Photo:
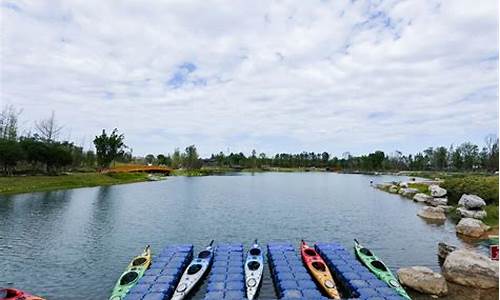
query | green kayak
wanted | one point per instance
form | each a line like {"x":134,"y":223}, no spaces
{"x":377,"y":267}
{"x":131,"y":276}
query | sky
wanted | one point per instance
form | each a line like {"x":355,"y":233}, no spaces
{"x":275,"y":76}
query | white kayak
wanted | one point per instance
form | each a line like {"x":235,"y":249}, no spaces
{"x":194,"y":272}
{"x":254,"y":266}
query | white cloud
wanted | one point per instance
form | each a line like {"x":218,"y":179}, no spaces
{"x":275,"y":76}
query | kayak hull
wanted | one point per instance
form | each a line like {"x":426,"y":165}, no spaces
{"x":319,"y":271}
{"x":254,"y":267}
{"x":377,"y":267}
{"x":129,"y":278}
{"x":15,"y":294}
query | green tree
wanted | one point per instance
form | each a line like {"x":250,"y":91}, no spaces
{"x":440,"y":158}
{"x":10,"y":153}
{"x":150,"y":159}
{"x":109,"y":148}
{"x":191,"y":159}
{"x":176,"y":159}
{"x":9,"y":122}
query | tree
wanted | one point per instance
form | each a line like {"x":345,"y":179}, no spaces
{"x":440,"y":158}
{"x":10,"y":153}
{"x":150,"y":158}
{"x":109,"y":148}
{"x":8,"y":122}
{"x":48,"y":129}
{"x":176,"y":159}
{"x":191,"y":159}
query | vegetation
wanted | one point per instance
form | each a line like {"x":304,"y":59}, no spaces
{"x":422,"y":188}
{"x":109,"y":148}
{"x":485,"y":187}
{"x":28,"y":184}
{"x":492,"y":215}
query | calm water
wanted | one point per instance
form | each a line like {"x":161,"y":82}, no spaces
{"x":74,"y":244}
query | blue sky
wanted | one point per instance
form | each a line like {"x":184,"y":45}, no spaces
{"x":275,"y":76}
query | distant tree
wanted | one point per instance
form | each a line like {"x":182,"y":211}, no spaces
{"x":48,"y":129}
{"x":325,"y":157}
{"x":254,"y":158}
{"x":440,"y":158}
{"x":470,"y":154}
{"x":9,"y":122}
{"x":109,"y":148}
{"x":456,"y":159}
{"x":191,"y":159}
{"x":10,"y":153}
{"x":150,"y":158}
{"x":90,"y":159}
{"x":176,"y":159}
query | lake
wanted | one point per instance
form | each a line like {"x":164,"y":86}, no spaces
{"x":74,"y":244}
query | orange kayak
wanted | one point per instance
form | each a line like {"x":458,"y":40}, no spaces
{"x":15,"y":294}
{"x":319,"y":271}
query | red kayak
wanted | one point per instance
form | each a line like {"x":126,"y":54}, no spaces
{"x":319,"y":271}
{"x":15,"y":294}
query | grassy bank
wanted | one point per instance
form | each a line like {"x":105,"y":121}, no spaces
{"x":29,"y":184}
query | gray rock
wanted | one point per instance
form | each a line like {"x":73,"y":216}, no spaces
{"x":421,"y":197}
{"x":471,"y":227}
{"x":393,"y":189}
{"x":471,"y":201}
{"x":407,"y":192}
{"x":471,"y":269}
{"x":432,"y":213}
{"x":437,"y":191}
{"x":383,"y":186}
{"x":437,"y":201}
{"x":403,"y":184}
{"x":444,"y":250}
{"x":424,"y":280}
{"x":467,"y":213}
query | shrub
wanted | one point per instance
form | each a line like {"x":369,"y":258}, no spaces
{"x":485,"y":187}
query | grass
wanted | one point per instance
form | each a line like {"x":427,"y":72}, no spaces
{"x":485,"y":187}
{"x":492,"y":215}
{"x":422,"y":188}
{"x":29,"y":184}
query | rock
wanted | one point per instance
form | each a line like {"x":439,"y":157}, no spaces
{"x":407,"y":192}
{"x":471,"y":201}
{"x":471,"y":269}
{"x":393,"y":189}
{"x":383,"y":186}
{"x":432,"y":213}
{"x":444,"y":250}
{"x":475,"y":214}
{"x":421,"y":197}
{"x":403,"y":184}
{"x":471,"y":227}
{"x":437,"y":191}
{"x":437,"y":201}
{"x":424,"y":280}
{"x":446,"y":208}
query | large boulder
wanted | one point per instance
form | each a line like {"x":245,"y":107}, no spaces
{"x":403,"y":184}
{"x":467,"y":213}
{"x":471,"y":227}
{"x":471,"y":269}
{"x":424,"y":280}
{"x":407,"y":192}
{"x":393,"y":189}
{"x":471,"y":201}
{"x":421,"y":197}
{"x":446,"y":208}
{"x":432,"y":213}
{"x":437,"y":191}
{"x":437,"y":201}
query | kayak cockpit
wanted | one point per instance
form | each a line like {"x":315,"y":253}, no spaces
{"x":139,"y":261}
{"x":310,"y":252}
{"x":319,"y":266}
{"x":366,"y":251}
{"x":255,"y":251}
{"x":128,"y":278}
{"x":9,"y":293}
{"x":253,"y":265}
{"x":193,"y":269}
{"x":379,"y":265}
{"x":204,"y":254}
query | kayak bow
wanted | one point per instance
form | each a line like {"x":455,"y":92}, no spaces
{"x":319,"y":270}
{"x":15,"y":294}
{"x":131,"y":276}
{"x":377,"y":267}
{"x":194,"y":272}
{"x":254,"y":266}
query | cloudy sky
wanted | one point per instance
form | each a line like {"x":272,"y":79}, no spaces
{"x":277,"y":76}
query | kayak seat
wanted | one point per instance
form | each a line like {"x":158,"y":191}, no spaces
{"x":255,"y":251}
{"x":128,"y":278}
{"x":139,"y":261}
{"x":193,"y":269}
{"x":204,"y":254}
{"x":253,"y":265}
{"x":379,"y":265}
{"x":366,"y":251}
{"x":310,"y":252}
{"x":319,"y":266}
{"x":8,"y":294}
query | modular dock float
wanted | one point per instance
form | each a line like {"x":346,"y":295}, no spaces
{"x":160,"y":280}
{"x":290,"y":278}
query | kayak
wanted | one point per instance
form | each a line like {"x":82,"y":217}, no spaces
{"x":131,"y":276}
{"x":377,"y":267}
{"x":319,"y":271}
{"x":254,"y":266}
{"x":15,"y":294}
{"x":194,"y":272}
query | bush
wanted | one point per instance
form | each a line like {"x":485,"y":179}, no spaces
{"x":485,"y":187}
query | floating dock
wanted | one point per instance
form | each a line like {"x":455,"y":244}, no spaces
{"x":290,"y":278}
